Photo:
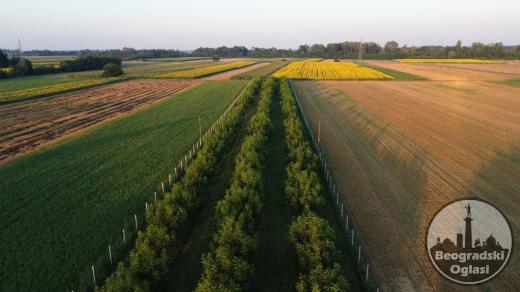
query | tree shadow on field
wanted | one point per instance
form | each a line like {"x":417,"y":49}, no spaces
{"x":498,"y":182}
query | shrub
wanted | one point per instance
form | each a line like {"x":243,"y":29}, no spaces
{"x":112,"y":70}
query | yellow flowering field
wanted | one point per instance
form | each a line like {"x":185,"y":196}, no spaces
{"x":50,"y":89}
{"x":205,"y":71}
{"x":456,"y":61}
{"x":312,"y":69}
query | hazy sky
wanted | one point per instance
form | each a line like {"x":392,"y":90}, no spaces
{"x":101,"y":24}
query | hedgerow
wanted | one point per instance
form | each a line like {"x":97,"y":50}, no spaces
{"x":149,"y":259}
{"x":227,"y":266}
{"x":312,"y":236}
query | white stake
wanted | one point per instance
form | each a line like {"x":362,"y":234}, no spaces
{"x":175,"y":172}
{"x":352,"y":236}
{"x":124,"y":236}
{"x":155,"y":197}
{"x":146,"y":206}
{"x":162,"y":187}
{"x":135,"y":218}
{"x":93,"y":275}
{"x":346,"y":229}
{"x":110,"y":253}
{"x":359,"y":255}
{"x":169,"y":179}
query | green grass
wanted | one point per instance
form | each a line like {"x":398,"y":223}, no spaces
{"x":275,"y":260}
{"x":398,"y":75}
{"x":510,"y":82}
{"x":262,"y":71}
{"x":64,"y":203}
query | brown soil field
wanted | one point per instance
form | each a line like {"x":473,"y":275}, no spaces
{"x":453,"y":72}
{"x":402,"y":150}
{"x":25,"y":125}
{"x":228,"y":74}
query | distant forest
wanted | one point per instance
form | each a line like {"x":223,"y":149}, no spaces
{"x":344,"y":50}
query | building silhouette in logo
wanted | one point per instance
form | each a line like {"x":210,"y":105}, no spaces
{"x":480,"y":258}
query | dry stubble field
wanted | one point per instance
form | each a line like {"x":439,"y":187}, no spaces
{"x":403,"y":149}
{"x":25,"y":125}
{"x":454,"y":72}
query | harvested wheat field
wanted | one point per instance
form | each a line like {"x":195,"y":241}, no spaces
{"x":402,"y":150}
{"x":227,"y":75}
{"x":454,"y":72}
{"x":25,"y":125}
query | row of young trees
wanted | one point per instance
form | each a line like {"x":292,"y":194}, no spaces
{"x":227,"y":267}
{"x":149,"y":258}
{"x":312,"y":236}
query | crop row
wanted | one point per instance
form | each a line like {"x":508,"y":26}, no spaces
{"x":149,"y":258}
{"x":8,"y":96}
{"x":313,"y":237}
{"x":228,"y":265}
{"x":205,"y":71}
{"x":312,"y":69}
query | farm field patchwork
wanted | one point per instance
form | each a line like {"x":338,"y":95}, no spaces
{"x":26,"y":125}
{"x":19,"y":89}
{"x":150,"y":68}
{"x":401,"y":150}
{"x":205,"y":71}
{"x":232,"y":73}
{"x":64,"y":203}
{"x":313,"y":69}
{"x":262,"y":71}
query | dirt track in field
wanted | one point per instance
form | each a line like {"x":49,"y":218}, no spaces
{"x":402,"y":150}
{"x":228,"y":74}
{"x":455,"y":72}
{"x":25,"y":125}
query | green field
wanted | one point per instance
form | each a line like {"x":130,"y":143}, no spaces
{"x":64,"y":203}
{"x":262,"y":71}
{"x":24,"y":88}
{"x":153,"y":67}
{"x":510,"y":82}
{"x":48,"y":60}
{"x":398,"y":75}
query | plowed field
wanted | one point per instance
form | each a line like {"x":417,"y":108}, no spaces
{"x":25,"y":125}
{"x":402,"y":150}
{"x":454,"y":72}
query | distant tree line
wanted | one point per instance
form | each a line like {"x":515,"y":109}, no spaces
{"x":16,"y":67}
{"x":368,"y":50}
{"x":133,"y":54}
{"x":342,"y":50}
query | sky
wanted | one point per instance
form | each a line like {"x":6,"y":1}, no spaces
{"x":187,"y":25}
